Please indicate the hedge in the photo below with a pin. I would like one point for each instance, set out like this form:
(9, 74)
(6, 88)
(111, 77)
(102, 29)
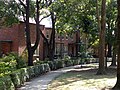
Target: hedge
(6, 83)
(68, 63)
(18, 77)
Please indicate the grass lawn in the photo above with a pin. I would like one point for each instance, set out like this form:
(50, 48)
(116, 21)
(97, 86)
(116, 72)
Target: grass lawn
(84, 79)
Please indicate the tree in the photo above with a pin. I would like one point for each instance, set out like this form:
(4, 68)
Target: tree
(101, 69)
(117, 85)
(7, 13)
(26, 16)
(50, 43)
(111, 30)
(111, 16)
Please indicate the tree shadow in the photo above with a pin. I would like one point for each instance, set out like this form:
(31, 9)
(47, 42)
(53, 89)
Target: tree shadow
(87, 75)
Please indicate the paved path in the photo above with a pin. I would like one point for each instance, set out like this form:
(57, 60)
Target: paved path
(41, 83)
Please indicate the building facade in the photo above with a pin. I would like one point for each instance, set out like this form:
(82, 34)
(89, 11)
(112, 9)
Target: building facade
(12, 39)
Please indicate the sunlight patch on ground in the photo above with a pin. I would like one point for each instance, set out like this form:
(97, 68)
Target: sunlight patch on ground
(84, 80)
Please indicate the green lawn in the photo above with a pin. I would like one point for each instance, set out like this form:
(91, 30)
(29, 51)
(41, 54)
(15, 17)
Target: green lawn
(84, 79)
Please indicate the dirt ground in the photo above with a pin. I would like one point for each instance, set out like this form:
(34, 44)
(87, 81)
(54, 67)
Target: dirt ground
(84, 78)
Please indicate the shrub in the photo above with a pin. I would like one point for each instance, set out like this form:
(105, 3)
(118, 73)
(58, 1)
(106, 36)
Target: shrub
(7, 64)
(46, 67)
(15, 76)
(19, 77)
(36, 70)
(6, 83)
(25, 74)
(41, 68)
(60, 64)
(10, 63)
(76, 62)
(87, 60)
(68, 63)
(31, 72)
(51, 65)
(2, 85)
(20, 62)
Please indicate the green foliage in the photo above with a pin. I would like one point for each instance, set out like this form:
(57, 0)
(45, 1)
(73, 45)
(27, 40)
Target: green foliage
(10, 63)
(76, 62)
(15, 76)
(6, 83)
(68, 63)
(52, 65)
(7, 64)
(46, 67)
(31, 72)
(2, 85)
(8, 13)
(20, 62)
(60, 64)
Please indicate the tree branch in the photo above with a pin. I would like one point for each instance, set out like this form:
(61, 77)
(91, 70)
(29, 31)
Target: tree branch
(22, 4)
(22, 13)
(44, 17)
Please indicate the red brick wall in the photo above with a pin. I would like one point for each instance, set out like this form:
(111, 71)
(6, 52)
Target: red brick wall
(10, 33)
(22, 39)
(16, 34)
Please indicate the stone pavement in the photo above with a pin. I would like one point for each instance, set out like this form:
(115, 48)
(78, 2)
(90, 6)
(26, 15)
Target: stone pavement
(41, 82)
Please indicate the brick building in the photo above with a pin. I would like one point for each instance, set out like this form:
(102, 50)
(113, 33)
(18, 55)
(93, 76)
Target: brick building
(65, 44)
(12, 39)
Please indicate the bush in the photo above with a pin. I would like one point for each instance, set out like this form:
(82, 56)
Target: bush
(6, 83)
(19, 77)
(31, 72)
(76, 62)
(2, 85)
(41, 68)
(51, 65)
(87, 60)
(68, 63)
(7, 64)
(46, 67)
(36, 70)
(20, 62)
(10, 63)
(60, 64)
(15, 76)
(25, 74)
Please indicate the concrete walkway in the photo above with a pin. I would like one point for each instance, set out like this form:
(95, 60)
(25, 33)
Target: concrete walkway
(41, 83)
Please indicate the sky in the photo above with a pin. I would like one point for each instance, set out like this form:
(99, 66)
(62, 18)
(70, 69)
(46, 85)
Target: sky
(47, 21)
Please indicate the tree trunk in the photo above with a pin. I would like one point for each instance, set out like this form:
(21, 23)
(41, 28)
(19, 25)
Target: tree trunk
(105, 56)
(27, 30)
(51, 47)
(113, 58)
(117, 85)
(109, 50)
(77, 40)
(101, 69)
(109, 54)
(31, 49)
